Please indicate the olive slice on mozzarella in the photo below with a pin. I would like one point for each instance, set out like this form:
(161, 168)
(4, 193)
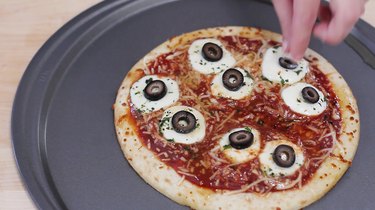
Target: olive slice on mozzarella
(182, 124)
(234, 83)
(281, 158)
(304, 99)
(241, 144)
(241, 139)
(277, 67)
(155, 90)
(287, 63)
(284, 156)
(212, 52)
(310, 95)
(232, 79)
(208, 56)
(152, 93)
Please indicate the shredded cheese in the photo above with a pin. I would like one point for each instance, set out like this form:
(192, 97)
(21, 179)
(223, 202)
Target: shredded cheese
(220, 126)
(173, 55)
(214, 174)
(181, 180)
(247, 187)
(289, 184)
(146, 70)
(186, 173)
(163, 154)
(217, 158)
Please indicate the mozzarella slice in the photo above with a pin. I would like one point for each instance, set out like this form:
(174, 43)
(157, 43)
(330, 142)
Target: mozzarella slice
(292, 97)
(242, 155)
(166, 128)
(207, 67)
(218, 88)
(272, 70)
(144, 105)
(269, 166)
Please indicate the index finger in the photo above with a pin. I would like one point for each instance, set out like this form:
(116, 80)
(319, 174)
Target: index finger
(284, 10)
(304, 16)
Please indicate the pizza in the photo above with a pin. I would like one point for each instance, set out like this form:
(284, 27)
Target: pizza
(221, 118)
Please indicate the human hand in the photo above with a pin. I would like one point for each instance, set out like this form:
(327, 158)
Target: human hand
(297, 19)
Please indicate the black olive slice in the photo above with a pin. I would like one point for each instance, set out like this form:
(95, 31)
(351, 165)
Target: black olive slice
(212, 52)
(155, 90)
(241, 139)
(284, 156)
(287, 63)
(310, 95)
(232, 79)
(183, 122)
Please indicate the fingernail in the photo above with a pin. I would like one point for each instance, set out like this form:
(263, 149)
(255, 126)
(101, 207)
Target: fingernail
(285, 46)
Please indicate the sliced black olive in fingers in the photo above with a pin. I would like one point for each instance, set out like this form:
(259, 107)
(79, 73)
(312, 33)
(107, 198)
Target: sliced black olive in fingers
(287, 63)
(233, 79)
(310, 95)
(212, 52)
(155, 90)
(241, 139)
(184, 122)
(284, 156)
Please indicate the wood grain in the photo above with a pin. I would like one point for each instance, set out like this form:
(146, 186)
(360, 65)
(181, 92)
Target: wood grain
(24, 26)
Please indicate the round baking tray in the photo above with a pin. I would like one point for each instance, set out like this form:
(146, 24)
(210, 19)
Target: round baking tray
(62, 122)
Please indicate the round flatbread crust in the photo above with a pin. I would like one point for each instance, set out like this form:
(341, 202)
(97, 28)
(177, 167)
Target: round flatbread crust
(168, 182)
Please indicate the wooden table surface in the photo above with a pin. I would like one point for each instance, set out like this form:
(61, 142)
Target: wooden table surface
(24, 26)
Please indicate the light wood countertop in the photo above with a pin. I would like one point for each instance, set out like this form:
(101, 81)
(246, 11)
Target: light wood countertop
(24, 26)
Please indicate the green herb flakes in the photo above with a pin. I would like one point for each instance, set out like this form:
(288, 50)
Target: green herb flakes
(227, 146)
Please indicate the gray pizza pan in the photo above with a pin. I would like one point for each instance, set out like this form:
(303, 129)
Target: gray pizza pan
(62, 123)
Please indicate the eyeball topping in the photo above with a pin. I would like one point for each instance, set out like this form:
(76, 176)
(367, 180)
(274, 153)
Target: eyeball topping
(234, 83)
(310, 95)
(152, 93)
(155, 90)
(281, 158)
(241, 139)
(183, 122)
(212, 52)
(277, 67)
(209, 56)
(304, 99)
(287, 63)
(284, 156)
(240, 144)
(232, 79)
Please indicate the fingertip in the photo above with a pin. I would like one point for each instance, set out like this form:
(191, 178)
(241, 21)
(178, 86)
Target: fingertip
(323, 32)
(297, 57)
(333, 40)
(320, 31)
(294, 56)
(299, 46)
(285, 46)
